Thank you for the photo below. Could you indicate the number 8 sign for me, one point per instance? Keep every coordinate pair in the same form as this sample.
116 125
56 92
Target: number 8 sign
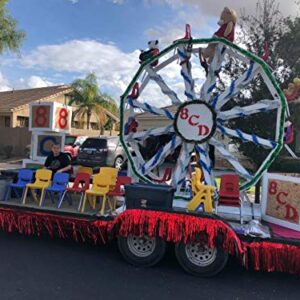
40 116
50 116
62 118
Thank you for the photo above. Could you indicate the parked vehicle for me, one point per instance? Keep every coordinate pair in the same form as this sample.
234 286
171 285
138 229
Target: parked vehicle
102 151
72 144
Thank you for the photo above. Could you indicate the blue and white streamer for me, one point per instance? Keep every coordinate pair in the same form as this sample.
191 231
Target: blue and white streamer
244 111
152 109
163 86
230 158
235 86
182 165
245 137
161 154
186 72
205 164
143 135
215 66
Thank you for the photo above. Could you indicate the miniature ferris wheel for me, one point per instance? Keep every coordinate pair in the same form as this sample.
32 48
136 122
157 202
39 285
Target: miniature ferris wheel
200 118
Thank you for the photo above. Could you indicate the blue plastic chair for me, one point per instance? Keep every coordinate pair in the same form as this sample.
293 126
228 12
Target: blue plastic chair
59 185
25 176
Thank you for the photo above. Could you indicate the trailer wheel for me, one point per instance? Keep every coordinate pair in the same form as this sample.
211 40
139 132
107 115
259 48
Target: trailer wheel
142 251
200 260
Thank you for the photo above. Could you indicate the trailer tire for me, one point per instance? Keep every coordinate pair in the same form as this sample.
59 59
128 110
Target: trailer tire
200 260
142 251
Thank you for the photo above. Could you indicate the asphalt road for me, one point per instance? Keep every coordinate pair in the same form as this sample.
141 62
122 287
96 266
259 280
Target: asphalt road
43 268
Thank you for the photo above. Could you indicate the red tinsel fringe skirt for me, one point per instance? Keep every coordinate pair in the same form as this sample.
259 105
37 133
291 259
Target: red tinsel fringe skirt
173 227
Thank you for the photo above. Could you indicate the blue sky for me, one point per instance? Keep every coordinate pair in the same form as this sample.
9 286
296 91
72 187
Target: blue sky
66 39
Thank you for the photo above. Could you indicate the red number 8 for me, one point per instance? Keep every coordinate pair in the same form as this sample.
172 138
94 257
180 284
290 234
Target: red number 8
63 118
272 188
40 118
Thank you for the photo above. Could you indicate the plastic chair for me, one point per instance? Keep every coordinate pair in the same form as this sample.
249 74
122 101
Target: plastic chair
81 184
24 177
59 185
86 170
197 180
229 193
42 181
112 173
166 176
203 199
101 187
117 192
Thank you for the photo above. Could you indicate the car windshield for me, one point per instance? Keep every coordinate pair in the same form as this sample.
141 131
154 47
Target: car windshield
70 140
94 143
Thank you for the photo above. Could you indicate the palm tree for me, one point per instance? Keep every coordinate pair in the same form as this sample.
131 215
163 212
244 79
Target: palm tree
10 37
88 99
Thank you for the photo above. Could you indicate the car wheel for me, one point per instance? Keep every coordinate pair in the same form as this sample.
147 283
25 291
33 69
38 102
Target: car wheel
118 162
200 260
142 251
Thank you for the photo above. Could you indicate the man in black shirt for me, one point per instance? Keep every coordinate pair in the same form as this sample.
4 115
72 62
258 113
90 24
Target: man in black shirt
57 161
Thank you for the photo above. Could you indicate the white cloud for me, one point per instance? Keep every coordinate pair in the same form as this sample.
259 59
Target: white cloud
4 84
214 7
36 82
117 1
73 1
113 67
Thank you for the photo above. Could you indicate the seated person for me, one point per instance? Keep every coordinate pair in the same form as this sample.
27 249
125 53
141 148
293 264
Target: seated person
57 161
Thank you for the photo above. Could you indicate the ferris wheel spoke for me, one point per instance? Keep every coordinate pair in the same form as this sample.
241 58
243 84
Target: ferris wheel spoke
156 69
143 135
246 137
230 158
205 164
149 108
235 86
140 160
161 154
163 86
243 111
182 165
184 54
233 53
215 66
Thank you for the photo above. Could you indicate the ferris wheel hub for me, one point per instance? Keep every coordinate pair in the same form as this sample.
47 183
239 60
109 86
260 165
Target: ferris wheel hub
195 121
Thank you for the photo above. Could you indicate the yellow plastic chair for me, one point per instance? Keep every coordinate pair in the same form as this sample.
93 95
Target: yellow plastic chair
112 173
86 170
204 196
100 188
196 181
42 181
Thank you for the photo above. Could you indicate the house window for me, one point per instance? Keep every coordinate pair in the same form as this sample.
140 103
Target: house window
94 126
22 121
6 121
76 125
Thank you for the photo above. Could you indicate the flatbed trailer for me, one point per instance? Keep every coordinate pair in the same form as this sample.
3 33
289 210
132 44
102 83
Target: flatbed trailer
203 242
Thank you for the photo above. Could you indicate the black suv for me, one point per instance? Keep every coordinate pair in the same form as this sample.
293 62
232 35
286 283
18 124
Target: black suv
101 151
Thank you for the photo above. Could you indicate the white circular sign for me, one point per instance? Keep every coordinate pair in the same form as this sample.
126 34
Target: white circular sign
195 121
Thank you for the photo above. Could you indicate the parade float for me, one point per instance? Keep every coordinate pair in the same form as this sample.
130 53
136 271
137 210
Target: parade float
207 216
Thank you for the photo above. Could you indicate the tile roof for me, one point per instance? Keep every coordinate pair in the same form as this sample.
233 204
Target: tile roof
13 99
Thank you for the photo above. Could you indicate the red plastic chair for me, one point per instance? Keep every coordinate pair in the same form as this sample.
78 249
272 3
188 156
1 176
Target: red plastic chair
116 192
229 193
166 177
81 184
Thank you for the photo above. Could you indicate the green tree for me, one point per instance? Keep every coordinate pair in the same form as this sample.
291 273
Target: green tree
11 37
264 27
88 99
